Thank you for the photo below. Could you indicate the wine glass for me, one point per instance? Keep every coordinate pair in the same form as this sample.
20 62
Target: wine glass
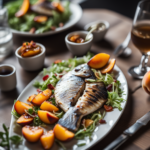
140 36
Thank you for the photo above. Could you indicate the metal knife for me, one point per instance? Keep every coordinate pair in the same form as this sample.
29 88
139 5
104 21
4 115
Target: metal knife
129 132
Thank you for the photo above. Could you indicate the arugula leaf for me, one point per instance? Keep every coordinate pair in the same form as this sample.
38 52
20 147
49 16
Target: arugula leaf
37 121
30 111
15 114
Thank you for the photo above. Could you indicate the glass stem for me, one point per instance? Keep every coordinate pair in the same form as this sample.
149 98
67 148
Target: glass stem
143 64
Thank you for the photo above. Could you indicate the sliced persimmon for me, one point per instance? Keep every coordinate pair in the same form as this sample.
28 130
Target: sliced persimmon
32 134
41 97
98 61
47 139
40 19
24 8
20 107
46 105
58 6
62 133
109 67
47 117
74 38
29 53
88 122
31 97
25 119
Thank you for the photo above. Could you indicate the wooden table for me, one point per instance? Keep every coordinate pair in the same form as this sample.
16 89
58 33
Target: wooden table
138 103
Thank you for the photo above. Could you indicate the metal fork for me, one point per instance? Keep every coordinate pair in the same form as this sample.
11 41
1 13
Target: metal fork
123 49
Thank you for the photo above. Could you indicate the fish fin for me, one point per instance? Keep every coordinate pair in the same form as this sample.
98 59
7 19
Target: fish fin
71 120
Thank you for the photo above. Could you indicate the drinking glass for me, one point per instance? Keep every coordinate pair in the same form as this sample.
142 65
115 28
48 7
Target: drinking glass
5 34
140 36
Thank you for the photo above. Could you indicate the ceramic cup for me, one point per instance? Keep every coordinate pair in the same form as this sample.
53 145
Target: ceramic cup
7 77
79 48
32 63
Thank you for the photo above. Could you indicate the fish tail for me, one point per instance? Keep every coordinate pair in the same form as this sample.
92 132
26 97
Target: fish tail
71 120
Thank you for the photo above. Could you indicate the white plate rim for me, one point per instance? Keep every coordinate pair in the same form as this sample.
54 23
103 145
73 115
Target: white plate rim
90 144
72 22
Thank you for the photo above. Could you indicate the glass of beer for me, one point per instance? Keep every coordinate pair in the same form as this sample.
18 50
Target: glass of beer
140 36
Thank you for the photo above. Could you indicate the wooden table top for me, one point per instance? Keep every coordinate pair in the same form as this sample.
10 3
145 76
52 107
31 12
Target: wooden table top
138 103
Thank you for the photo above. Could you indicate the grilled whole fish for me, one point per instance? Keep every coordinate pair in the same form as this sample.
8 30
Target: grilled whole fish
93 98
71 86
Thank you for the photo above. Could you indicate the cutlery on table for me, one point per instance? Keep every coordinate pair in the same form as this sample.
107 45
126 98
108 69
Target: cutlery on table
129 132
122 49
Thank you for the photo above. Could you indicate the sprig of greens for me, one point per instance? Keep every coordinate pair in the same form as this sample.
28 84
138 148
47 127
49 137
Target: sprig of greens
4 138
114 97
81 133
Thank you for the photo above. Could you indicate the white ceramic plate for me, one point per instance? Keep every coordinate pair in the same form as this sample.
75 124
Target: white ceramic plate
100 132
76 13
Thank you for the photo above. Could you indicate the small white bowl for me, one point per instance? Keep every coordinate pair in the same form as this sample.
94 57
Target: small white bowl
79 48
32 63
98 35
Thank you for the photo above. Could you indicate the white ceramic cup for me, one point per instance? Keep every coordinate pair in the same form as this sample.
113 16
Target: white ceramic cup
32 63
7 81
98 35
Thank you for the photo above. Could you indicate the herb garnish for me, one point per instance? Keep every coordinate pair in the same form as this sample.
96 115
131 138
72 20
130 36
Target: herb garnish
4 138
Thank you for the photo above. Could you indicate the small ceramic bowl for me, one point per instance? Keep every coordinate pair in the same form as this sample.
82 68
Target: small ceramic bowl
98 34
79 48
8 78
32 63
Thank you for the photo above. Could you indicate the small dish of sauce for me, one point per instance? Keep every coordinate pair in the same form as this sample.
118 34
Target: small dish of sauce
29 49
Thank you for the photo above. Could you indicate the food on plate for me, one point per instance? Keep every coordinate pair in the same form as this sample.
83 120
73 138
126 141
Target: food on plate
98 61
37 16
62 133
41 97
32 133
24 8
109 67
47 139
29 49
25 119
58 6
72 94
87 122
20 107
93 98
46 105
76 39
47 117
31 98
146 82
40 19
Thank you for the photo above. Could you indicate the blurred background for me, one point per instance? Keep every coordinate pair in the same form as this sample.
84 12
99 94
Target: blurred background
125 7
